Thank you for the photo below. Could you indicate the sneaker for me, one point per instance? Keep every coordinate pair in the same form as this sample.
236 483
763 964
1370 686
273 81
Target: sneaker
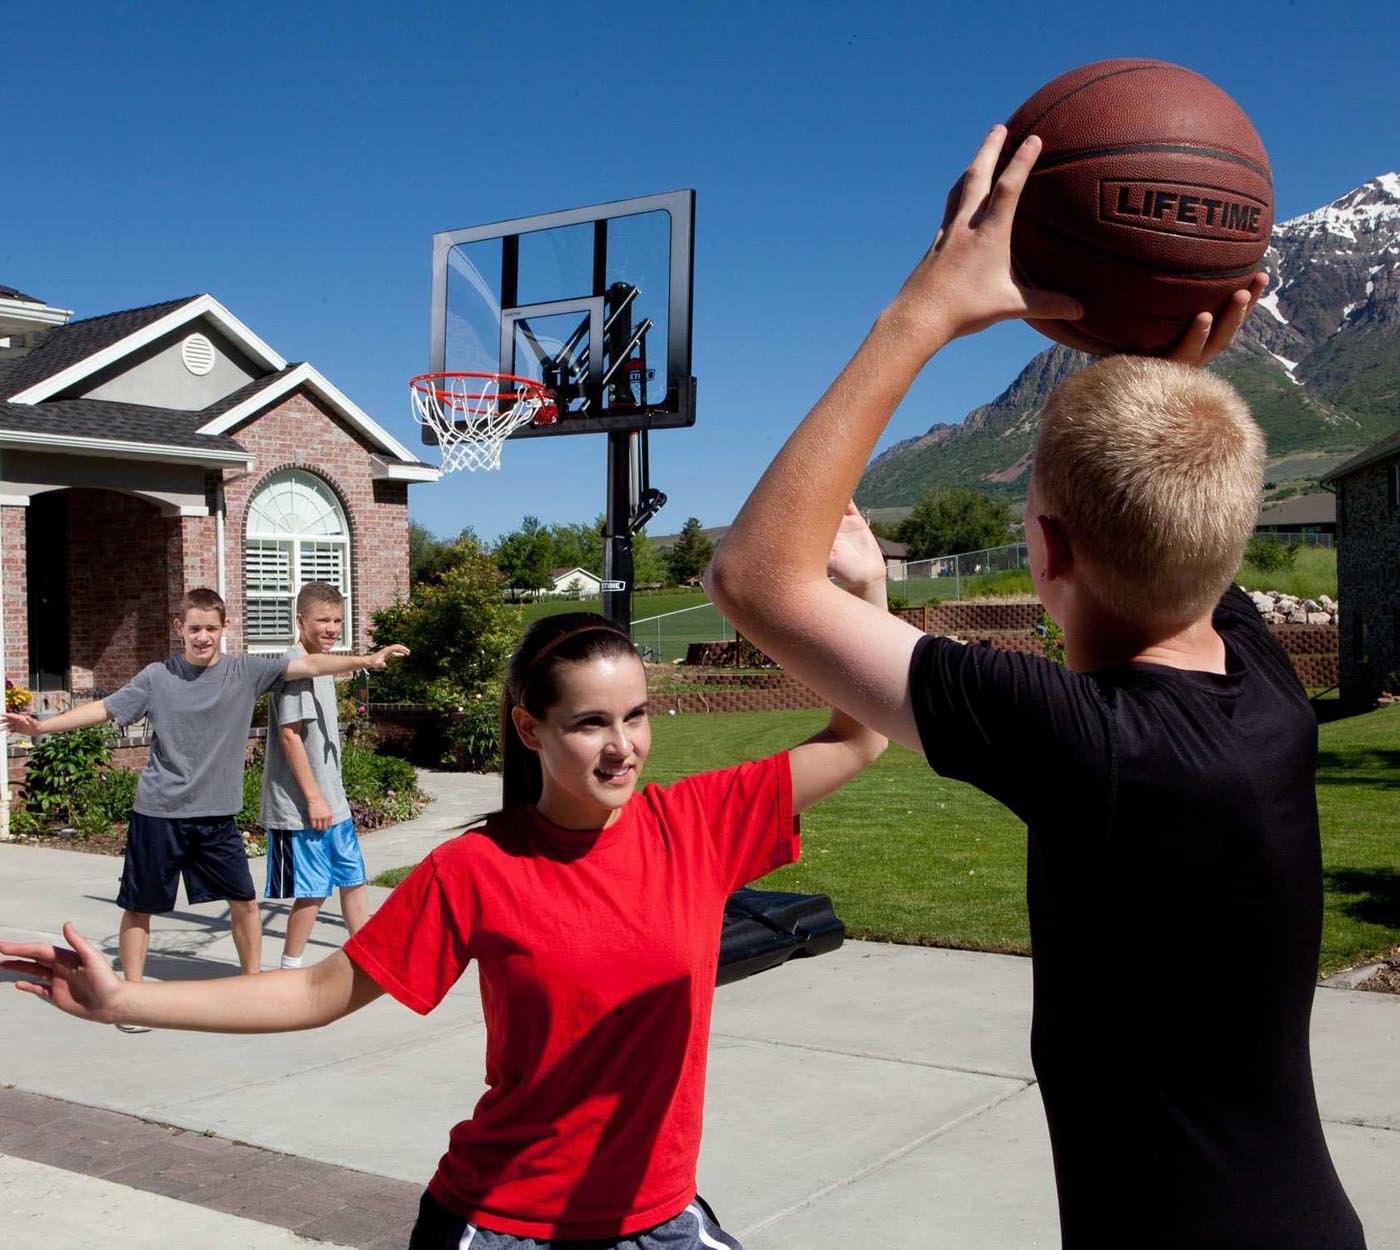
132 1028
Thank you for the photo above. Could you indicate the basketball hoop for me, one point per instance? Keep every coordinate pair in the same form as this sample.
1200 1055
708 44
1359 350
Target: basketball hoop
472 414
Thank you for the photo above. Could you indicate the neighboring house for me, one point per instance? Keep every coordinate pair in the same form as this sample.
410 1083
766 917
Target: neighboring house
896 558
1313 517
1368 570
147 451
574 583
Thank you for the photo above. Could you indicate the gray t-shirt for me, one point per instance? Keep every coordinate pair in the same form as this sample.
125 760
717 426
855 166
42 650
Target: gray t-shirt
311 703
199 730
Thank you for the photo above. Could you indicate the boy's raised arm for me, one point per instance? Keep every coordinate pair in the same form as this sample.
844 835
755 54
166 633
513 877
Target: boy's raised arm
769 574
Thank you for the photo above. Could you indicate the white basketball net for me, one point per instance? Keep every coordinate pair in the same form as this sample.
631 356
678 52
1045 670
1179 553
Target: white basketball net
470 415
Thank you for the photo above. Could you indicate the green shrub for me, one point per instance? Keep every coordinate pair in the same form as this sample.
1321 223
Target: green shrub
380 787
250 818
1268 555
91 821
471 725
111 793
62 766
1052 638
24 823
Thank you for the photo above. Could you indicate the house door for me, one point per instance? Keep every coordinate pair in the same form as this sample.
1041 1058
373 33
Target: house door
46 549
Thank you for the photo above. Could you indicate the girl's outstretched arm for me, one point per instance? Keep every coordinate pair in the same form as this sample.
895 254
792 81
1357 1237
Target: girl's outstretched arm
81 982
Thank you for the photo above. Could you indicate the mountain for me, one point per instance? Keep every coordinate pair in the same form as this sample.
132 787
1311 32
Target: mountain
1318 362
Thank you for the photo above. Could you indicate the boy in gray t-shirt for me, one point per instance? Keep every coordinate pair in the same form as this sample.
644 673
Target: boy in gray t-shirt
311 842
199 705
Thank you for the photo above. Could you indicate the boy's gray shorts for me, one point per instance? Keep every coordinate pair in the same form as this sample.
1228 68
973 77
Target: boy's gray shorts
695 1228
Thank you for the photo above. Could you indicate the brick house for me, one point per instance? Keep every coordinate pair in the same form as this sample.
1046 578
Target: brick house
146 451
1368 570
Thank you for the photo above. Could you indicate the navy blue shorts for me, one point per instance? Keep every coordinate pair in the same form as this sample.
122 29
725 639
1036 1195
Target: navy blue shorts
206 850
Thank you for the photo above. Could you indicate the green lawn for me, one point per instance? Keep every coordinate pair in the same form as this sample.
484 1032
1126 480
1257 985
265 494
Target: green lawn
910 857
1314 573
685 616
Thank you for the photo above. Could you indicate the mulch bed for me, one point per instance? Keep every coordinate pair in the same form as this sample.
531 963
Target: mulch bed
113 843
1386 978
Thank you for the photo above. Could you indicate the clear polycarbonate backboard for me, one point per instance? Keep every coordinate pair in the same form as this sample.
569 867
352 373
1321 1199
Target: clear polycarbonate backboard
593 302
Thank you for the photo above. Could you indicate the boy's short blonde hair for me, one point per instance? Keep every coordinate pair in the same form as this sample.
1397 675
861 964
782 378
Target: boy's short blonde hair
314 593
1155 469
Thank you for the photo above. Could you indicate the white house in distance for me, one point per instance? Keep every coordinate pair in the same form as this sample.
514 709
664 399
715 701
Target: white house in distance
574 584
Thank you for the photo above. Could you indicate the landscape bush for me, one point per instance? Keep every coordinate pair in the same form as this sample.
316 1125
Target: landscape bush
1267 554
62 766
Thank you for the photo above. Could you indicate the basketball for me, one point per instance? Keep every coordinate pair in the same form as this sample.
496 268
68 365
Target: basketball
1151 201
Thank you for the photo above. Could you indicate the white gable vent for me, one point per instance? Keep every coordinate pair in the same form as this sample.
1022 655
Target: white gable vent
198 354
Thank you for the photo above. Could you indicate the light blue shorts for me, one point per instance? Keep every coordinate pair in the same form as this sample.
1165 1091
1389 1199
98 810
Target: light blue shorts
309 863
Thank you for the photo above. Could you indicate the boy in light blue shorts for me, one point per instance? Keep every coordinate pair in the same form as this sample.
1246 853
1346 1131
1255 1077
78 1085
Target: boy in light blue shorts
311 842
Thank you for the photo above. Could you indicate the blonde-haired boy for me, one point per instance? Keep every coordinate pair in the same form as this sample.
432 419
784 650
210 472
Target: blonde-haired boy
311 843
1165 773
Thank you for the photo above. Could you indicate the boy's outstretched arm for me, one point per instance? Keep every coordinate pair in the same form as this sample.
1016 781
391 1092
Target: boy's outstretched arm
769 574
329 664
80 982
80 717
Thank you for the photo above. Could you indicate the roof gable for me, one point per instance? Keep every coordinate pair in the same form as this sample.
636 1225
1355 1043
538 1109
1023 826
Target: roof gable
258 397
72 353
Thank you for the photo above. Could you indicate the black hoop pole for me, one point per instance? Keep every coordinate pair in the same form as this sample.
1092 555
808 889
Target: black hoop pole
617 535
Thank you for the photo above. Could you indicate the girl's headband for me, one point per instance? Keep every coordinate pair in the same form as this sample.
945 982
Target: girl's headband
574 633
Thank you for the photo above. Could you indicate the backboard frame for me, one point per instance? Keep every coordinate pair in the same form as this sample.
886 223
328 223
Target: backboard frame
677 409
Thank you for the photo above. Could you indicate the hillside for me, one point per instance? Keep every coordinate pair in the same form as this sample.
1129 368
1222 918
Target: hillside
1319 363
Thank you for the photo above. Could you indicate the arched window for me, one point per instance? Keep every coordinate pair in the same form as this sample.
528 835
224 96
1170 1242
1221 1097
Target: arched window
296 533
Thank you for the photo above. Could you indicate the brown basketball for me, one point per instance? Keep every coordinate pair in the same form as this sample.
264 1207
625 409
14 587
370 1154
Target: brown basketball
1151 201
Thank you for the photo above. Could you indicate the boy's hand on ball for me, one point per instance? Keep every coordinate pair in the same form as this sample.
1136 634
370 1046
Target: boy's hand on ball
1211 333
856 560
964 283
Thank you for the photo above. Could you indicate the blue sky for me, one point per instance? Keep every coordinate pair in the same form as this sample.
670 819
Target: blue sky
295 160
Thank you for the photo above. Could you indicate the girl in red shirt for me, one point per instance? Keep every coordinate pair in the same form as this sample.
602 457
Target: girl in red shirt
594 916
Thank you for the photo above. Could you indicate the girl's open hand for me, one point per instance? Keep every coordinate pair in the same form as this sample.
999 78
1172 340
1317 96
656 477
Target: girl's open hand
856 560
79 981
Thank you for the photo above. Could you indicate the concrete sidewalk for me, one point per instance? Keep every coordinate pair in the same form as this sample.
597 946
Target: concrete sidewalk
879 1088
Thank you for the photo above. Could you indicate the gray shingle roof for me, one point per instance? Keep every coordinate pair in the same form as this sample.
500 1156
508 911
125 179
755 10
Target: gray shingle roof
104 419
65 345
9 292
1390 445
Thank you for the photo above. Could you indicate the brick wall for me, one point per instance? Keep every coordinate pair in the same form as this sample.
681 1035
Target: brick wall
16 606
1368 586
302 432
972 616
119 618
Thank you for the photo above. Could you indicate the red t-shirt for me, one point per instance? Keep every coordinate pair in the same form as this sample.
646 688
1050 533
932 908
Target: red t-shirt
597 955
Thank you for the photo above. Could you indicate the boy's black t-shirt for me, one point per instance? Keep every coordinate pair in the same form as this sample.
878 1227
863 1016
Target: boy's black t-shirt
1174 882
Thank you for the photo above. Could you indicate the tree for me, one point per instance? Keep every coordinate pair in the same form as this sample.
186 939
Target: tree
954 519
429 556
691 553
459 633
649 565
526 556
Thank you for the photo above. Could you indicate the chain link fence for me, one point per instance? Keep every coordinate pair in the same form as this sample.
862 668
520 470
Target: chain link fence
964 575
666 637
